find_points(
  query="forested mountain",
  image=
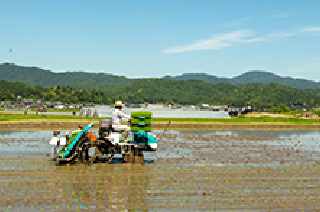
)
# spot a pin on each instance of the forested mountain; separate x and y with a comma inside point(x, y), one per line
point(315, 91)
point(98, 81)
point(262, 77)
point(200, 76)
point(81, 87)
point(183, 92)
point(46, 78)
point(9, 91)
point(196, 91)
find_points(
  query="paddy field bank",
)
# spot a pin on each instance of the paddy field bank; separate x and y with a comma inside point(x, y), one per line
point(14, 121)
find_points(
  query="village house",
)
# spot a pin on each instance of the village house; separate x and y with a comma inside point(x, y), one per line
point(59, 106)
point(299, 108)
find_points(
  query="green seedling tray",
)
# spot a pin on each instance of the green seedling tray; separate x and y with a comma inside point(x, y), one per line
point(142, 114)
point(137, 128)
point(139, 121)
point(141, 125)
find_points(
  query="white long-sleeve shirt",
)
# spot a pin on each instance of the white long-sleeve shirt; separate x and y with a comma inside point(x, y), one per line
point(117, 116)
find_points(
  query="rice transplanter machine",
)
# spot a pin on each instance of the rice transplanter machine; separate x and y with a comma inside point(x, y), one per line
point(76, 147)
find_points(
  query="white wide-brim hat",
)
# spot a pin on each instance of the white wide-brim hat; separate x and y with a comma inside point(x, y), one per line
point(118, 103)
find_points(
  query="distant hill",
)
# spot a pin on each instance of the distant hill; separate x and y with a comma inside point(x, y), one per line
point(168, 91)
point(101, 81)
point(47, 78)
point(267, 77)
point(10, 91)
point(262, 77)
point(200, 76)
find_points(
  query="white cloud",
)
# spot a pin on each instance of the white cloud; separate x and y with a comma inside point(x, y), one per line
point(281, 15)
point(215, 42)
point(317, 58)
point(225, 40)
point(220, 41)
point(271, 36)
point(311, 29)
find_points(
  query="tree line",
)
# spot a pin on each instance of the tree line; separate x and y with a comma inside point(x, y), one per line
point(167, 91)
point(98, 81)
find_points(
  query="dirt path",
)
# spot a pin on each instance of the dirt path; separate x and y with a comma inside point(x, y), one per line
point(258, 115)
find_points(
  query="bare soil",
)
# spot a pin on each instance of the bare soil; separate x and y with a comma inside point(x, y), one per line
point(304, 115)
point(263, 114)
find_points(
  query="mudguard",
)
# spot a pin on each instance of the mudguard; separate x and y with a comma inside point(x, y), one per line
point(76, 140)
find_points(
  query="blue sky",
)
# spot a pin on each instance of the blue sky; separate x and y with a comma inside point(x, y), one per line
point(156, 38)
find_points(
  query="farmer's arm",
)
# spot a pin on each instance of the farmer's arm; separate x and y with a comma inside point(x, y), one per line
point(122, 115)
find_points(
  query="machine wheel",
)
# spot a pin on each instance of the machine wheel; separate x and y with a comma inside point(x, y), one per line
point(111, 149)
point(84, 155)
point(128, 158)
point(135, 157)
point(99, 155)
point(104, 147)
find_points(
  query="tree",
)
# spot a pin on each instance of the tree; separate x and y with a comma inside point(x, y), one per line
point(294, 108)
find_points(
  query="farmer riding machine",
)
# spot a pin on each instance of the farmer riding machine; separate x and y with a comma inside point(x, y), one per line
point(109, 142)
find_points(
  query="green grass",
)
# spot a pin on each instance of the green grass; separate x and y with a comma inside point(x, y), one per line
point(236, 120)
point(57, 110)
point(240, 120)
point(21, 117)
point(62, 110)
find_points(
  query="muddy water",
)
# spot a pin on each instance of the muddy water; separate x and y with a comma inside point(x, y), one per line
point(192, 171)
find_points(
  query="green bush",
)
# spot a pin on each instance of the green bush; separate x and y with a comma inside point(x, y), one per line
point(284, 108)
point(242, 116)
point(276, 110)
point(317, 112)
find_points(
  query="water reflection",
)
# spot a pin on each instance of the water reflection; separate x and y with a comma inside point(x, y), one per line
point(175, 144)
point(5, 132)
point(278, 134)
point(192, 171)
point(101, 186)
point(24, 143)
point(255, 133)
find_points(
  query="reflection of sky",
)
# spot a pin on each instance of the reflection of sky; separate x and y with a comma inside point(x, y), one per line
point(306, 140)
point(165, 113)
point(24, 143)
point(36, 143)
point(258, 133)
point(277, 133)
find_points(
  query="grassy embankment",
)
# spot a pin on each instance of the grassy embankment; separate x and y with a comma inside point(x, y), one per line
point(58, 110)
point(234, 120)
point(32, 117)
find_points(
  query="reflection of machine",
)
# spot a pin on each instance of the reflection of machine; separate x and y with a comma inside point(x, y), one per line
point(109, 142)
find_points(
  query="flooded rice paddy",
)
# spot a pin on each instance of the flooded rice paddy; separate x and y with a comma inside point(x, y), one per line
point(234, 170)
